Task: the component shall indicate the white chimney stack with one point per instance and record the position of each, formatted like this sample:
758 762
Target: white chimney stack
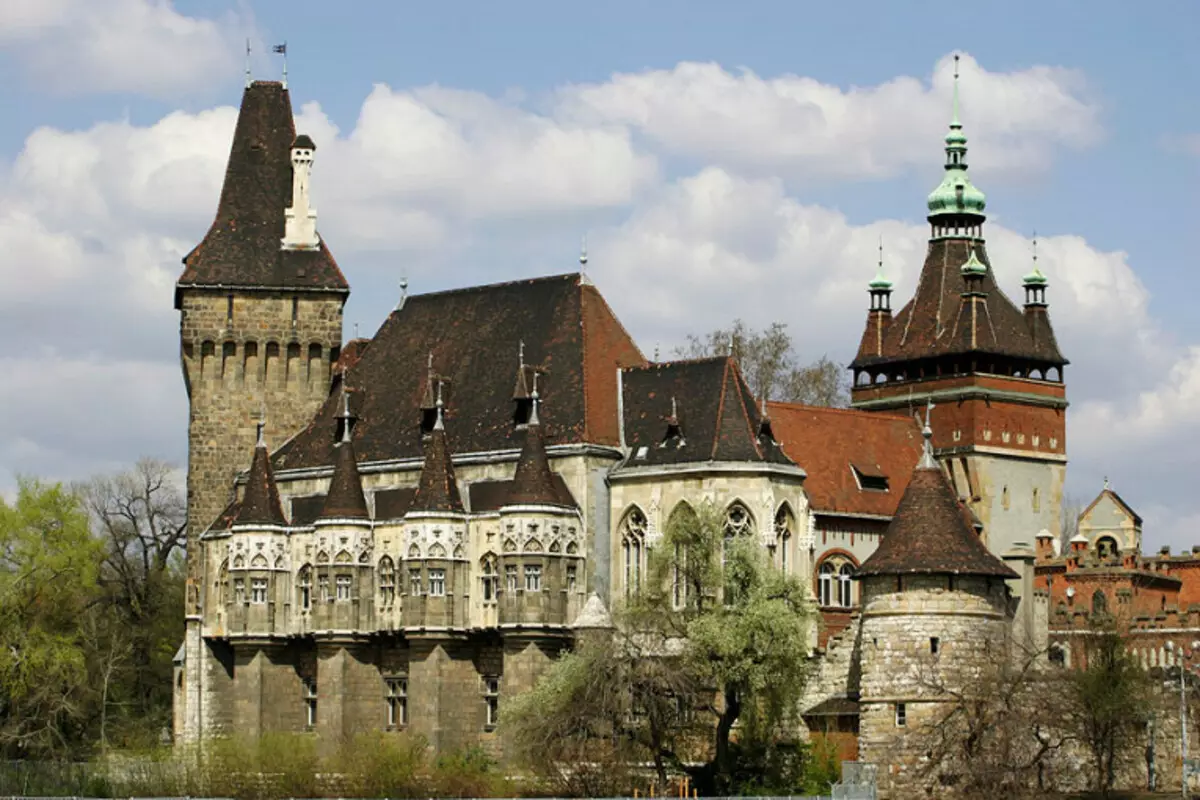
300 221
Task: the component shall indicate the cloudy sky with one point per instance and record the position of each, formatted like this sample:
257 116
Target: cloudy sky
725 160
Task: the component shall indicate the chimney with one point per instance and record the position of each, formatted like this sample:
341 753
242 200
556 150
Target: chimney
300 220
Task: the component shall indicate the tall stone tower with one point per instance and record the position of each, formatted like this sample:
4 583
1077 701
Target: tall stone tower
993 370
935 618
261 310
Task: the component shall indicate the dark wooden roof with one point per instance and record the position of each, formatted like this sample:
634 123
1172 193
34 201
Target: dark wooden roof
474 337
715 416
260 502
828 442
394 503
345 499
937 322
494 495
242 248
932 534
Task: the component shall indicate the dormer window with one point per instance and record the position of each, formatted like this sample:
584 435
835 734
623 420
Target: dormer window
522 411
869 478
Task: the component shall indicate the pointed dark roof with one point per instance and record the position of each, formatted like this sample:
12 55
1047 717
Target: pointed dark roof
474 334
929 325
260 502
242 248
931 534
534 483
714 411
437 489
345 499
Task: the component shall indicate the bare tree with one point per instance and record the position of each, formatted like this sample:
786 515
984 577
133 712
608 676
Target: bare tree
1069 513
770 365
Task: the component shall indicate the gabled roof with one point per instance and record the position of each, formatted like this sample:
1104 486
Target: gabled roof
829 442
931 534
715 414
934 324
1116 498
242 247
438 489
474 336
260 503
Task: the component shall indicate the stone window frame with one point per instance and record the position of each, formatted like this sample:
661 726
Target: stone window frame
533 577
323 588
258 591
784 522
510 577
835 580
491 702
572 578
437 582
415 583
396 695
343 588
901 715
387 582
239 591
304 587
489 578
310 703
634 527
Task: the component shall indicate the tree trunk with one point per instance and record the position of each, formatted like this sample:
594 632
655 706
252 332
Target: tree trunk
729 716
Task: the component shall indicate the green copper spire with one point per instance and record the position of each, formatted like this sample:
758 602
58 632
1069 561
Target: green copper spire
1035 276
881 283
974 266
955 194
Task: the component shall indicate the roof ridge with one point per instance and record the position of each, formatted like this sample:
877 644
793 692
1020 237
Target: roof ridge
712 452
738 382
487 286
857 412
683 361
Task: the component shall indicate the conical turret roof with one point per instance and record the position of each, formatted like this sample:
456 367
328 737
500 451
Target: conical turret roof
260 503
930 533
533 483
345 499
437 490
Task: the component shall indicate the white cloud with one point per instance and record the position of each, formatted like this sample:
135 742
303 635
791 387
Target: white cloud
139 46
797 126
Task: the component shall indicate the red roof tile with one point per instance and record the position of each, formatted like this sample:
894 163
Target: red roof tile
827 441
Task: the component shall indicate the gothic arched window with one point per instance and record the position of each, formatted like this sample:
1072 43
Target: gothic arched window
825 576
738 521
845 587
835 587
633 547
1099 602
304 587
387 582
784 525
489 578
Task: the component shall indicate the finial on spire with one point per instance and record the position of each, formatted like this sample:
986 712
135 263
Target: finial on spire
429 363
403 294
249 80
880 284
583 256
1107 485
674 408
927 461
262 426
345 415
356 330
536 399
656 352
439 424
521 355
954 113
731 344
281 49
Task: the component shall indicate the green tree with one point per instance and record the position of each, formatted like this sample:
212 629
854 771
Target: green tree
772 369
717 639
48 571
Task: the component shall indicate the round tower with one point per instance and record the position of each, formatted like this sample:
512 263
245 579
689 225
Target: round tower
935 617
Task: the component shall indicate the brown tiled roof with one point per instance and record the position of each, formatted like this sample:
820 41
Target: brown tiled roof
394 503
225 521
533 483
437 490
306 510
826 442
931 534
345 499
934 324
242 248
494 495
715 414
260 502
474 336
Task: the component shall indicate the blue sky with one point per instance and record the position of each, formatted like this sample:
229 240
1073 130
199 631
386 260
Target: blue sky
724 159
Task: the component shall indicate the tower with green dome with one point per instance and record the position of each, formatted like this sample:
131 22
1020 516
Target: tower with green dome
992 369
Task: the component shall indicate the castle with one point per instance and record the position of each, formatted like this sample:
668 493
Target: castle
400 532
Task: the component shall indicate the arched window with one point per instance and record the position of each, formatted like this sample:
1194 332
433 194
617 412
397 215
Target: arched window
784 525
738 521
489 578
221 589
304 584
633 546
1099 602
835 582
387 582
845 587
825 576
1106 547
